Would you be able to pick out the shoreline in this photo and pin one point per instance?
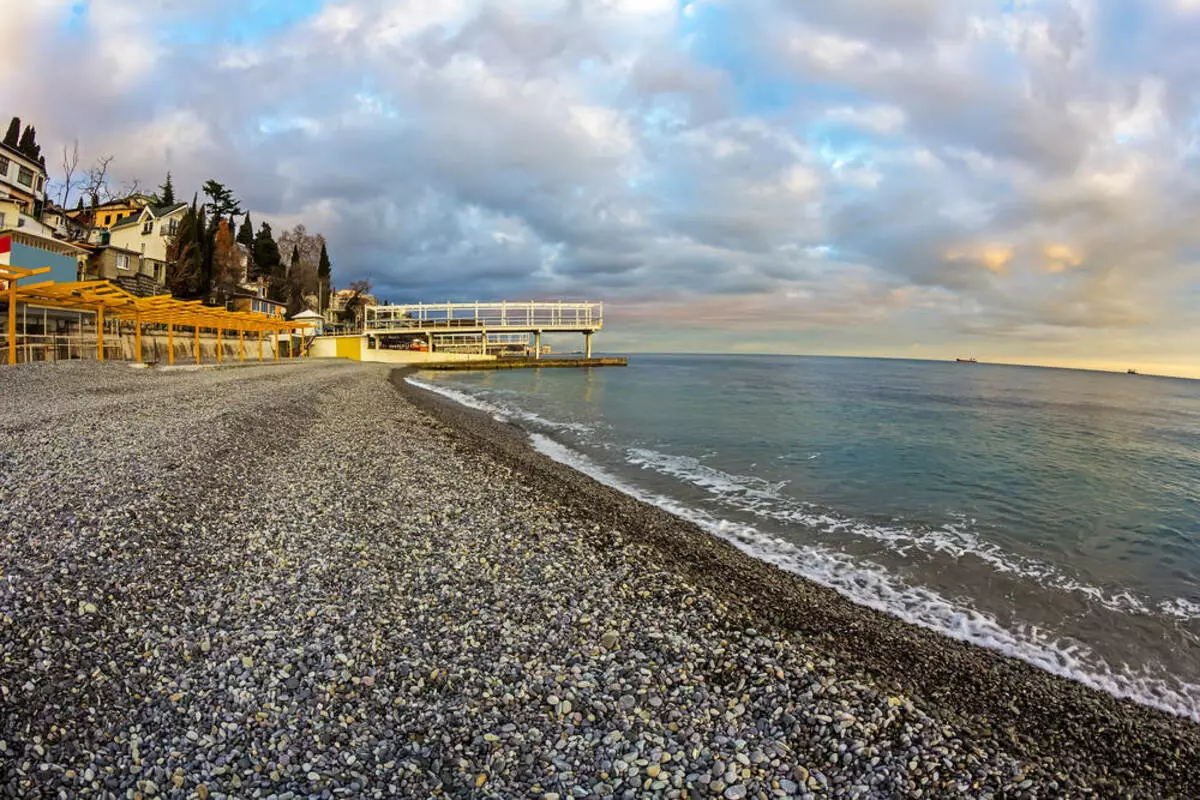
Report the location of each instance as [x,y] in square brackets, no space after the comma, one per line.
[1121,746]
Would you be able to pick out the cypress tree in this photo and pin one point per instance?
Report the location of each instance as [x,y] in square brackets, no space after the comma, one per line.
[27,144]
[323,272]
[246,232]
[245,238]
[205,230]
[14,132]
[183,273]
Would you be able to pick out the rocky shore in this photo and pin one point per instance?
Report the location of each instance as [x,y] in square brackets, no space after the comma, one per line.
[304,580]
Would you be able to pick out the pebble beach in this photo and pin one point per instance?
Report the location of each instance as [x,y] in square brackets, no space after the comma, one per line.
[313,580]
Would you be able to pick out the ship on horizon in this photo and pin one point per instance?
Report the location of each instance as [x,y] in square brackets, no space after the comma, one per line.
[967,360]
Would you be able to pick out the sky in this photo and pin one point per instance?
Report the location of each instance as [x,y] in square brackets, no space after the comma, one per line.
[1013,180]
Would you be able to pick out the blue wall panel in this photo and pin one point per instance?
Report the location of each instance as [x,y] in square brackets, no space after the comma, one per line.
[63,269]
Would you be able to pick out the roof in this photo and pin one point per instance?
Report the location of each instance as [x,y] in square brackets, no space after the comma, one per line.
[14,152]
[97,249]
[155,211]
[102,295]
[162,211]
[125,223]
[307,314]
[44,242]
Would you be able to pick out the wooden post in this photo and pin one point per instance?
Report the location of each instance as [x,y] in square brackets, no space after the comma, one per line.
[241,345]
[290,353]
[196,337]
[137,336]
[218,344]
[100,333]
[171,343]
[276,344]
[12,320]
[260,335]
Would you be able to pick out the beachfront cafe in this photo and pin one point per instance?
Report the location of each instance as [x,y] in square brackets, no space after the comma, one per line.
[48,320]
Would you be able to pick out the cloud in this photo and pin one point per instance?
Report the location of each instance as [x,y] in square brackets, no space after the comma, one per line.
[854,173]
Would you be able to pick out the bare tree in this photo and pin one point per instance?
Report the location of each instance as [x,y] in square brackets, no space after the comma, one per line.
[70,161]
[352,309]
[309,246]
[95,184]
[129,188]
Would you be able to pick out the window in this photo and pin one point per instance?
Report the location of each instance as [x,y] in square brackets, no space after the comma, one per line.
[25,177]
[171,226]
[41,182]
[1,220]
[108,219]
[147,228]
[122,261]
[3,167]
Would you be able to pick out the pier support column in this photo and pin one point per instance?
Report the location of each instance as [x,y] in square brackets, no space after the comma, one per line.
[537,344]
[587,345]
[483,343]
[429,336]
[137,336]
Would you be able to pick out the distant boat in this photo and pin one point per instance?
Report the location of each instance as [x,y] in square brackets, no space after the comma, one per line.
[1131,372]
[967,360]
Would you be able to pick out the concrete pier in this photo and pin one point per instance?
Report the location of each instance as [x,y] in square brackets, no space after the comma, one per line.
[528,363]
[463,327]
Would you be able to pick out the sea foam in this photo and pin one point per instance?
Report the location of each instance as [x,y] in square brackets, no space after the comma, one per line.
[766,501]
[871,585]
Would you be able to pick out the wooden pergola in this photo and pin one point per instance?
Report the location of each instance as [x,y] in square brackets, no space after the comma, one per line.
[106,300]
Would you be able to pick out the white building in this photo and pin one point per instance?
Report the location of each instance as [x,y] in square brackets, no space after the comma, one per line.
[149,233]
[22,180]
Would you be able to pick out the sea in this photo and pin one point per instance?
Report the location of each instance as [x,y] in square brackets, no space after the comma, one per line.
[1053,515]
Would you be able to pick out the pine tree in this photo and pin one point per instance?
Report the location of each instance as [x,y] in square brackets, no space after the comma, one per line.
[224,204]
[265,259]
[167,192]
[323,274]
[14,132]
